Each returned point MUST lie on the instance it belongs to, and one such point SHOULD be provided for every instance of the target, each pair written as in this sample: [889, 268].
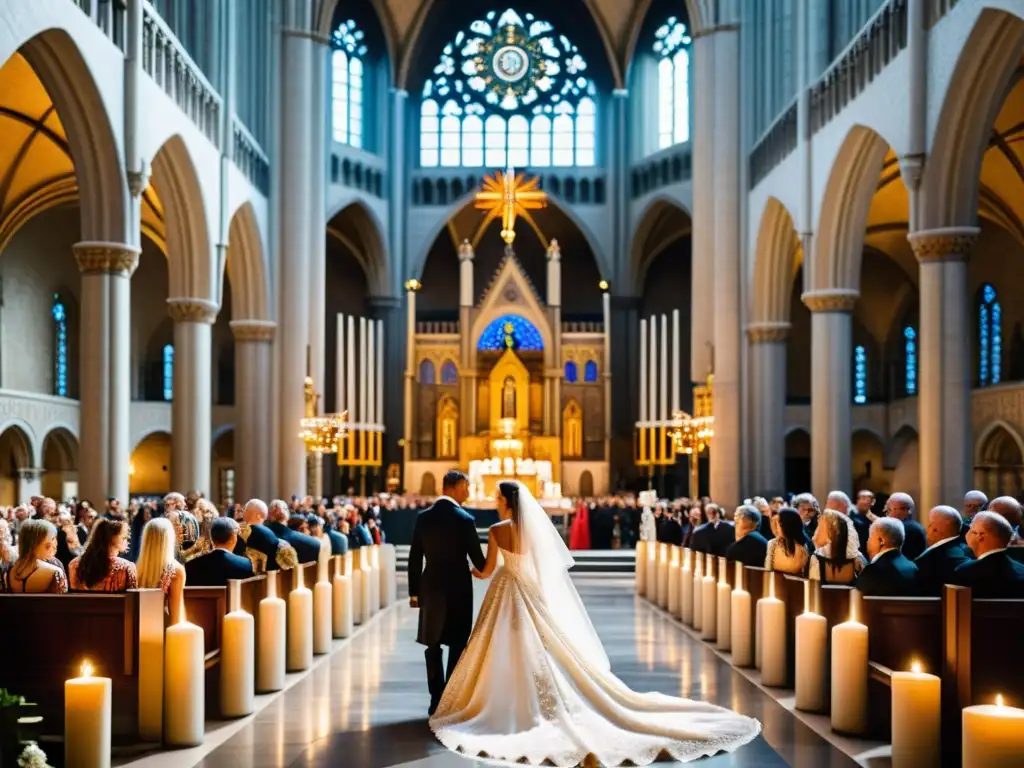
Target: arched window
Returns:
[509, 90]
[447, 429]
[347, 83]
[168, 372]
[672, 46]
[427, 373]
[590, 372]
[449, 373]
[910, 360]
[60, 347]
[990, 338]
[571, 373]
[860, 375]
[572, 430]
[511, 331]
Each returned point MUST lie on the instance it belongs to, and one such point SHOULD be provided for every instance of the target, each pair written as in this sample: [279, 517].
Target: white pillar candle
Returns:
[652, 571]
[643, 371]
[811, 662]
[663, 575]
[357, 596]
[673, 582]
[993, 735]
[388, 578]
[724, 615]
[270, 660]
[361, 411]
[300, 626]
[686, 588]
[698, 591]
[917, 719]
[773, 649]
[758, 634]
[850, 677]
[375, 568]
[323, 618]
[677, 383]
[87, 704]
[709, 602]
[663, 399]
[742, 650]
[237, 663]
[369, 600]
[184, 685]
[341, 596]
[640, 566]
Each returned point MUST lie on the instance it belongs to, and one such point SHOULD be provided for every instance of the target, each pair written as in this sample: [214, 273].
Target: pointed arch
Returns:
[572, 429]
[663, 222]
[993, 438]
[245, 267]
[776, 263]
[358, 229]
[22, 439]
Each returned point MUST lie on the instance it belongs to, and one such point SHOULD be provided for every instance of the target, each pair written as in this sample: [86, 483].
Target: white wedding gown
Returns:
[534, 683]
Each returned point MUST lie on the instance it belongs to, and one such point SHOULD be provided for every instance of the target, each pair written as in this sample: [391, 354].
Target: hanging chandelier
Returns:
[321, 434]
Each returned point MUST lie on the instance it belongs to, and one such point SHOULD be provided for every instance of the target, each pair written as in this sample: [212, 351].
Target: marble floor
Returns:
[366, 704]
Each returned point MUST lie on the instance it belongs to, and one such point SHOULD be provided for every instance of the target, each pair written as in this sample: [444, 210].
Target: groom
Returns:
[445, 534]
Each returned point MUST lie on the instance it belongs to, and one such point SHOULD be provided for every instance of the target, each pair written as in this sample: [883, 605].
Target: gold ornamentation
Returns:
[830, 301]
[510, 195]
[112, 258]
[253, 330]
[768, 333]
[192, 310]
[953, 244]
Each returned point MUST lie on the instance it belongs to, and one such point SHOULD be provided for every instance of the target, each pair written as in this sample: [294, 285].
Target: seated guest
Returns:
[186, 525]
[901, 507]
[994, 575]
[808, 508]
[837, 558]
[139, 521]
[765, 509]
[671, 529]
[306, 547]
[695, 515]
[298, 522]
[945, 552]
[100, 569]
[863, 516]
[750, 547]
[1009, 508]
[206, 514]
[157, 567]
[359, 531]
[84, 517]
[339, 541]
[315, 527]
[974, 502]
[716, 535]
[260, 544]
[214, 568]
[7, 552]
[890, 573]
[788, 552]
[33, 571]
[68, 546]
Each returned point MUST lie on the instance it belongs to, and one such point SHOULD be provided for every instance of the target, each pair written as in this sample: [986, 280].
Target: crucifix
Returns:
[509, 195]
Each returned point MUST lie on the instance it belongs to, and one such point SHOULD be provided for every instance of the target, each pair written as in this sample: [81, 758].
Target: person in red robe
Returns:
[579, 534]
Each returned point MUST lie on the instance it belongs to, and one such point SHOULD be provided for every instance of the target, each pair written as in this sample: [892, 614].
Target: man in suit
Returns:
[307, 548]
[219, 564]
[901, 507]
[258, 543]
[809, 509]
[974, 502]
[945, 551]
[1009, 508]
[890, 573]
[445, 534]
[750, 547]
[716, 535]
[863, 516]
[994, 575]
[671, 529]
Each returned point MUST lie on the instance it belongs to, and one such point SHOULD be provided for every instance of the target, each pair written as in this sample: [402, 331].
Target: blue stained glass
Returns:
[571, 376]
[910, 360]
[590, 371]
[990, 337]
[449, 373]
[426, 372]
[860, 375]
[997, 343]
[60, 330]
[168, 372]
[525, 336]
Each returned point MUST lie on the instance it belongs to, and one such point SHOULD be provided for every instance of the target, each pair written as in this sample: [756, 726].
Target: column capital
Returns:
[946, 244]
[192, 310]
[253, 330]
[30, 474]
[107, 258]
[830, 300]
[768, 333]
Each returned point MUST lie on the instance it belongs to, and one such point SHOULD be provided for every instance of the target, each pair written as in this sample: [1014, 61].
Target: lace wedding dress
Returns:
[534, 684]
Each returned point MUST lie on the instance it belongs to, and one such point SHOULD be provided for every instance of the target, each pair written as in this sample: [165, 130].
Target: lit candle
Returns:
[367, 600]
[709, 601]
[686, 588]
[342, 598]
[724, 609]
[673, 581]
[270, 661]
[652, 571]
[742, 651]
[663, 575]
[87, 702]
[993, 735]
[916, 719]
[237, 660]
[811, 657]
[388, 578]
[358, 615]
[375, 575]
[698, 591]
[850, 677]
[323, 619]
[300, 625]
[641, 567]
[773, 649]
[184, 685]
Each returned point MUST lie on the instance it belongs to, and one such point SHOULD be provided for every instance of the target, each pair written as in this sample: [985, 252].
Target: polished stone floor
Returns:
[366, 705]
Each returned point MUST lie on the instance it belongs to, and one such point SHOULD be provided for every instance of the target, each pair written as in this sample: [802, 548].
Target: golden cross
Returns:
[509, 195]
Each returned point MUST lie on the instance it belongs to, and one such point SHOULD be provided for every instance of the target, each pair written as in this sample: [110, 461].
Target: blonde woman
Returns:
[31, 572]
[157, 568]
[837, 558]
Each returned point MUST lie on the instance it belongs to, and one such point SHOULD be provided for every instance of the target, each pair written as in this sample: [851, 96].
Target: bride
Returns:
[534, 684]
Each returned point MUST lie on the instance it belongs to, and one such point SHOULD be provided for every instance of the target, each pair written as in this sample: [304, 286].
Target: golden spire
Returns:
[509, 195]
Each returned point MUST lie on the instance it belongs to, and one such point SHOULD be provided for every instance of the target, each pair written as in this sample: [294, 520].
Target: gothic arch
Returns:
[662, 223]
[776, 262]
[358, 228]
[993, 437]
[22, 440]
[899, 443]
[244, 267]
[638, 20]
[325, 23]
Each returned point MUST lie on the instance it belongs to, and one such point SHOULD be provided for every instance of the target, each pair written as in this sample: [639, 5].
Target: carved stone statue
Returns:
[508, 399]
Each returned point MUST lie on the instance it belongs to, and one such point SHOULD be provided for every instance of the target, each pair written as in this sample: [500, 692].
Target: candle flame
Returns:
[999, 699]
[916, 668]
[86, 669]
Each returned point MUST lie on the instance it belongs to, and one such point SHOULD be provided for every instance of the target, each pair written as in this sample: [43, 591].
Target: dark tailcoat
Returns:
[445, 535]
[215, 568]
[724, 536]
[672, 532]
[750, 550]
[915, 539]
[994, 577]
[936, 566]
[306, 547]
[891, 575]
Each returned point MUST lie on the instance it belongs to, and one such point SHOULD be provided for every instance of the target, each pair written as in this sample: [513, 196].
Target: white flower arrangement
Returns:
[33, 757]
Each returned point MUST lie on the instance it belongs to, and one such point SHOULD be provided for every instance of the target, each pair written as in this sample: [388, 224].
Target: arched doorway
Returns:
[60, 464]
[999, 469]
[798, 461]
[150, 469]
[18, 477]
[223, 468]
[867, 462]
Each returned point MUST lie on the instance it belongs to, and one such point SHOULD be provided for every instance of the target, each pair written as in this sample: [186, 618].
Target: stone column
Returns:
[831, 389]
[703, 260]
[410, 371]
[553, 375]
[105, 355]
[625, 367]
[944, 376]
[191, 407]
[768, 386]
[253, 339]
[467, 378]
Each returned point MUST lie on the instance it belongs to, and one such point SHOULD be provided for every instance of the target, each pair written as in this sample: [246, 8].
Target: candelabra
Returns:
[321, 434]
[692, 435]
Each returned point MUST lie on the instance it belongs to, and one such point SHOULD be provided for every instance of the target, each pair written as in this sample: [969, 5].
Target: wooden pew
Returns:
[755, 583]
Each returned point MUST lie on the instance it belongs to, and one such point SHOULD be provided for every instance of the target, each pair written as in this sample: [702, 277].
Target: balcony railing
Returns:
[436, 328]
[109, 16]
[774, 145]
[669, 166]
[249, 157]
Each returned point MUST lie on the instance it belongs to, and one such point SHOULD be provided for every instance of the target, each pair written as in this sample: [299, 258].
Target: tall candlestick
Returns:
[300, 625]
[643, 371]
[811, 661]
[850, 677]
[673, 581]
[663, 410]
[270, 661]
[350, 369]
[87, 704]
[652, 384]
[709, 601]
[375, 576]
[993, 735]
[184, 685]
[686, 588]
[758, 634]
[916, 719]
[237, 661]
[388, 574]
[773, 649]
[342, 603]
[361, 412]
[369, 374]
[640, 566]
[380, 372]
[358, 609]
[339, 357]
[677, 382]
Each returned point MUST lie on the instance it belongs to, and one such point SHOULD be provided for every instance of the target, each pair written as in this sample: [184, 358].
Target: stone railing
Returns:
[936, 9]
[669, 166]
[165, 60]
[357, 169]
[249, 157]
[437, 328]
[575, 327]
[109, 16]
[37, 415]
[774, 145]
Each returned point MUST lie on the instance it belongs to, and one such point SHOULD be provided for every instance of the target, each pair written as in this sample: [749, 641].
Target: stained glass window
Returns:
[60, 347]
[990, 339]
[427, 372]
[449, 373]
[509, 90]
[523, 335]
[910, 360]
[168, 372]
[672, 46]
[590, 371]
[860, 375]
[347, 83]
[571, 372]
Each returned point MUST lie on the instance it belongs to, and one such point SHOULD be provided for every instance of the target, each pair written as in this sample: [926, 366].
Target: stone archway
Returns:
[999, 463]
[798, 461]
[60, 464]
[150, 468]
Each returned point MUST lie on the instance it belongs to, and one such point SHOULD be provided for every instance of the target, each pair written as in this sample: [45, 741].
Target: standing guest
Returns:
[157, 567]
[808, 508]
[837, 558]
[974, 502]
[219, 564]
[890, 573]
[863, 516]
[579, 532]
[68, 546]
[84, 517]
[901, 507]
[1009, 508]
[187, 529]
[945, 552]
[113, 510]
[33, 571]
[788, 552]
[100, 568]
[750, 547]
[305, 546]
[20, 516]
[994, 575]
[260, 544]
[206, 513]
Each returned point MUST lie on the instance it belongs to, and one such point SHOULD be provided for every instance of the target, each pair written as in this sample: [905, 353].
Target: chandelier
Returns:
[691, 434]
[321, 434]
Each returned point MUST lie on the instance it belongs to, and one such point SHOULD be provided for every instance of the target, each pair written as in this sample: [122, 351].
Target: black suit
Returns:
[445, 535]
[750, 550]
[994, 577]
[915, 539]
[936, 566]
[724, 536]
[891, 575]
[339, 542]
[1016, 553]
[672, 532]
[862, 525]
[702, 539]
[766, 529]
[215, 568]
[306, 547]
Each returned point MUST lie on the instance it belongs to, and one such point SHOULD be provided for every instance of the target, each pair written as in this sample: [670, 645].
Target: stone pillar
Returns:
[944, 376]
[625, 367]
[831, 389]
[105, 355]
[191, 407]
[410, 371]
[253, 339]
[553, 375]
[467, 382]
[703, 259]
[388, 310]
[30, 483]
[768, 410]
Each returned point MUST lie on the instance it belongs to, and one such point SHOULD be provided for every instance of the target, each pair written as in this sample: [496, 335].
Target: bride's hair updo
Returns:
[510, 490]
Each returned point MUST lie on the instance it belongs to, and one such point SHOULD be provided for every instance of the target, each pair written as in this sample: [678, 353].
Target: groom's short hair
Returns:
[452, 478]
